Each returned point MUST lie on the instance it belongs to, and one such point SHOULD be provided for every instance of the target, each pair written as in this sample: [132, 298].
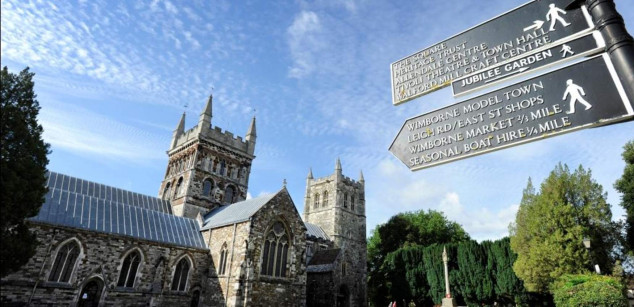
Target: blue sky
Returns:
[113, 78]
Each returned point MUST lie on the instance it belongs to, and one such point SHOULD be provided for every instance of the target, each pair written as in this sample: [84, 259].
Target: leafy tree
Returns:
[23, 163]
[550, 226]
[625, 185]
[419, 228]
[476, 281]
[588, 290]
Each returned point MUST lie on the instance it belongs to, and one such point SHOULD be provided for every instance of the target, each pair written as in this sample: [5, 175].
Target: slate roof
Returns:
[235, 213]
[315, 231]
[323, 260]
[77, 203]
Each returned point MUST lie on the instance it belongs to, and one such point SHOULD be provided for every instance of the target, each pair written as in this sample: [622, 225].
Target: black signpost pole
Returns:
[619, 43]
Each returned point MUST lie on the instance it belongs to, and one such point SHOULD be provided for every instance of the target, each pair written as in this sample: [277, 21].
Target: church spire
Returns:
[338, 168]
[205, 116]
[361, 179]
[310, 173]
[251, 134]
[178, 131]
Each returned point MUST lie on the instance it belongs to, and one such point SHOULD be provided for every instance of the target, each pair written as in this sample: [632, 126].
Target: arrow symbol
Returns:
[536, 25]
[523, 69]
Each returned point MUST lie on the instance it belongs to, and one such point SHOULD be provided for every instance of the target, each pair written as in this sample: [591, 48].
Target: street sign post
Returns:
[512, 34]
[582, 95]
[540, 59]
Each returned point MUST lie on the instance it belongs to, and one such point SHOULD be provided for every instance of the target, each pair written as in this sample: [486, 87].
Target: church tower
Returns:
[336, 203]
[206, 167]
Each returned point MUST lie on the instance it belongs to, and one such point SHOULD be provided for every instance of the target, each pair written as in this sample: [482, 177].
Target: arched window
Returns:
[229, 194]
[275, 251]
[180, 275]
[167, 191]
[179, 187]
[325, 199]
[352, 202]
[207, 186]
[65, 262]
[345, 200]
[223, 165]
[222, 265]
[316, 201]
[129, 269]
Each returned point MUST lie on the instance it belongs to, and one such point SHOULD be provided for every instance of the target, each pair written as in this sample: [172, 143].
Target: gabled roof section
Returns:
[76, 203]
[236, 213]
[323, 260]
[316, 232]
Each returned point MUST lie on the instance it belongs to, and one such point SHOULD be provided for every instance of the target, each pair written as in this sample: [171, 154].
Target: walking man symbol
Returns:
[553, 16]
[575, 92]
[566, 49]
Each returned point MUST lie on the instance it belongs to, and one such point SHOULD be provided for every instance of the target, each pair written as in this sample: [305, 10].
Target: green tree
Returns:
[23, 163]
[550, 226]
[625, 185]
[419, 228]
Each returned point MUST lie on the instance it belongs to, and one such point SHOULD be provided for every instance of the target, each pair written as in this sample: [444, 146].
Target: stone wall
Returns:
[101, 257]
[277, 291]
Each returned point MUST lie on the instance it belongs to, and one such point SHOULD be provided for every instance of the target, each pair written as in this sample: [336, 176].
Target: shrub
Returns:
[588, 290]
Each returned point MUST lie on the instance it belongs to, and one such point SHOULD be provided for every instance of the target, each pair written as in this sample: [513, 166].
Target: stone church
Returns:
[201, 242]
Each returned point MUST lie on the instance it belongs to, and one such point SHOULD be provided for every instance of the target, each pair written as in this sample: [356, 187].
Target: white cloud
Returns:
[83, 132]
[303, 42]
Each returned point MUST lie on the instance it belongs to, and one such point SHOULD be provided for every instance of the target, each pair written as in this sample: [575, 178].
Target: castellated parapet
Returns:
[207, 167]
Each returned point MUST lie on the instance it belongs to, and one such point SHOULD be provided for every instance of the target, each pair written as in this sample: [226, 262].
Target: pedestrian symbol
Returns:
[566, 50]
[575, 92]
[553, 17]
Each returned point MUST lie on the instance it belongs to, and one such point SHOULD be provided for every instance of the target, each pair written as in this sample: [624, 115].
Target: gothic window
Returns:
[180, 275]
[167, 191]
[229, 195]
[179, 187]
[343, 269]
[345, 200]
[275, 251]
[129, 270]
[222, 266]
[65, 262]
[316, 201]
[223, 164]
[207, 186]
[325, 200]
[352, 202]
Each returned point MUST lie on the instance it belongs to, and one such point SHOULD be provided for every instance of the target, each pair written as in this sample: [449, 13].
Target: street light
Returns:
[586, 243]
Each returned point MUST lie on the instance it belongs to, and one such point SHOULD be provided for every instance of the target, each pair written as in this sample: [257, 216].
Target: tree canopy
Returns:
[23, 162]
[410, 229]
[550, 226]
[625, 185]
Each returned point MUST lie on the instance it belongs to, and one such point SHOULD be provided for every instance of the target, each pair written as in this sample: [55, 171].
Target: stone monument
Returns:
[448, 301]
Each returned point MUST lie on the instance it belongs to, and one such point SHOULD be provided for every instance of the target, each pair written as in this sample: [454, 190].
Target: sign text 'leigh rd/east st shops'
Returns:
[582, 95]
[522, 30]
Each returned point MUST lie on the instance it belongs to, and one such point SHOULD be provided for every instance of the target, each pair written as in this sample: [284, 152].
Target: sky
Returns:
[114, 77]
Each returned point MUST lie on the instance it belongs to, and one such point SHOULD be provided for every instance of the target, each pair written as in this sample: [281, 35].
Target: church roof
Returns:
[235, 213]
[77, 203]
[315, 231]
[323, 260]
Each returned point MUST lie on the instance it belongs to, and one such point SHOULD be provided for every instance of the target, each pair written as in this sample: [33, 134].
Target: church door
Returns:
[91, 293]
[343, 297]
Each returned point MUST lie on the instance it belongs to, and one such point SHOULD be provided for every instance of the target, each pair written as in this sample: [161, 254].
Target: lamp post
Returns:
[586, 244]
